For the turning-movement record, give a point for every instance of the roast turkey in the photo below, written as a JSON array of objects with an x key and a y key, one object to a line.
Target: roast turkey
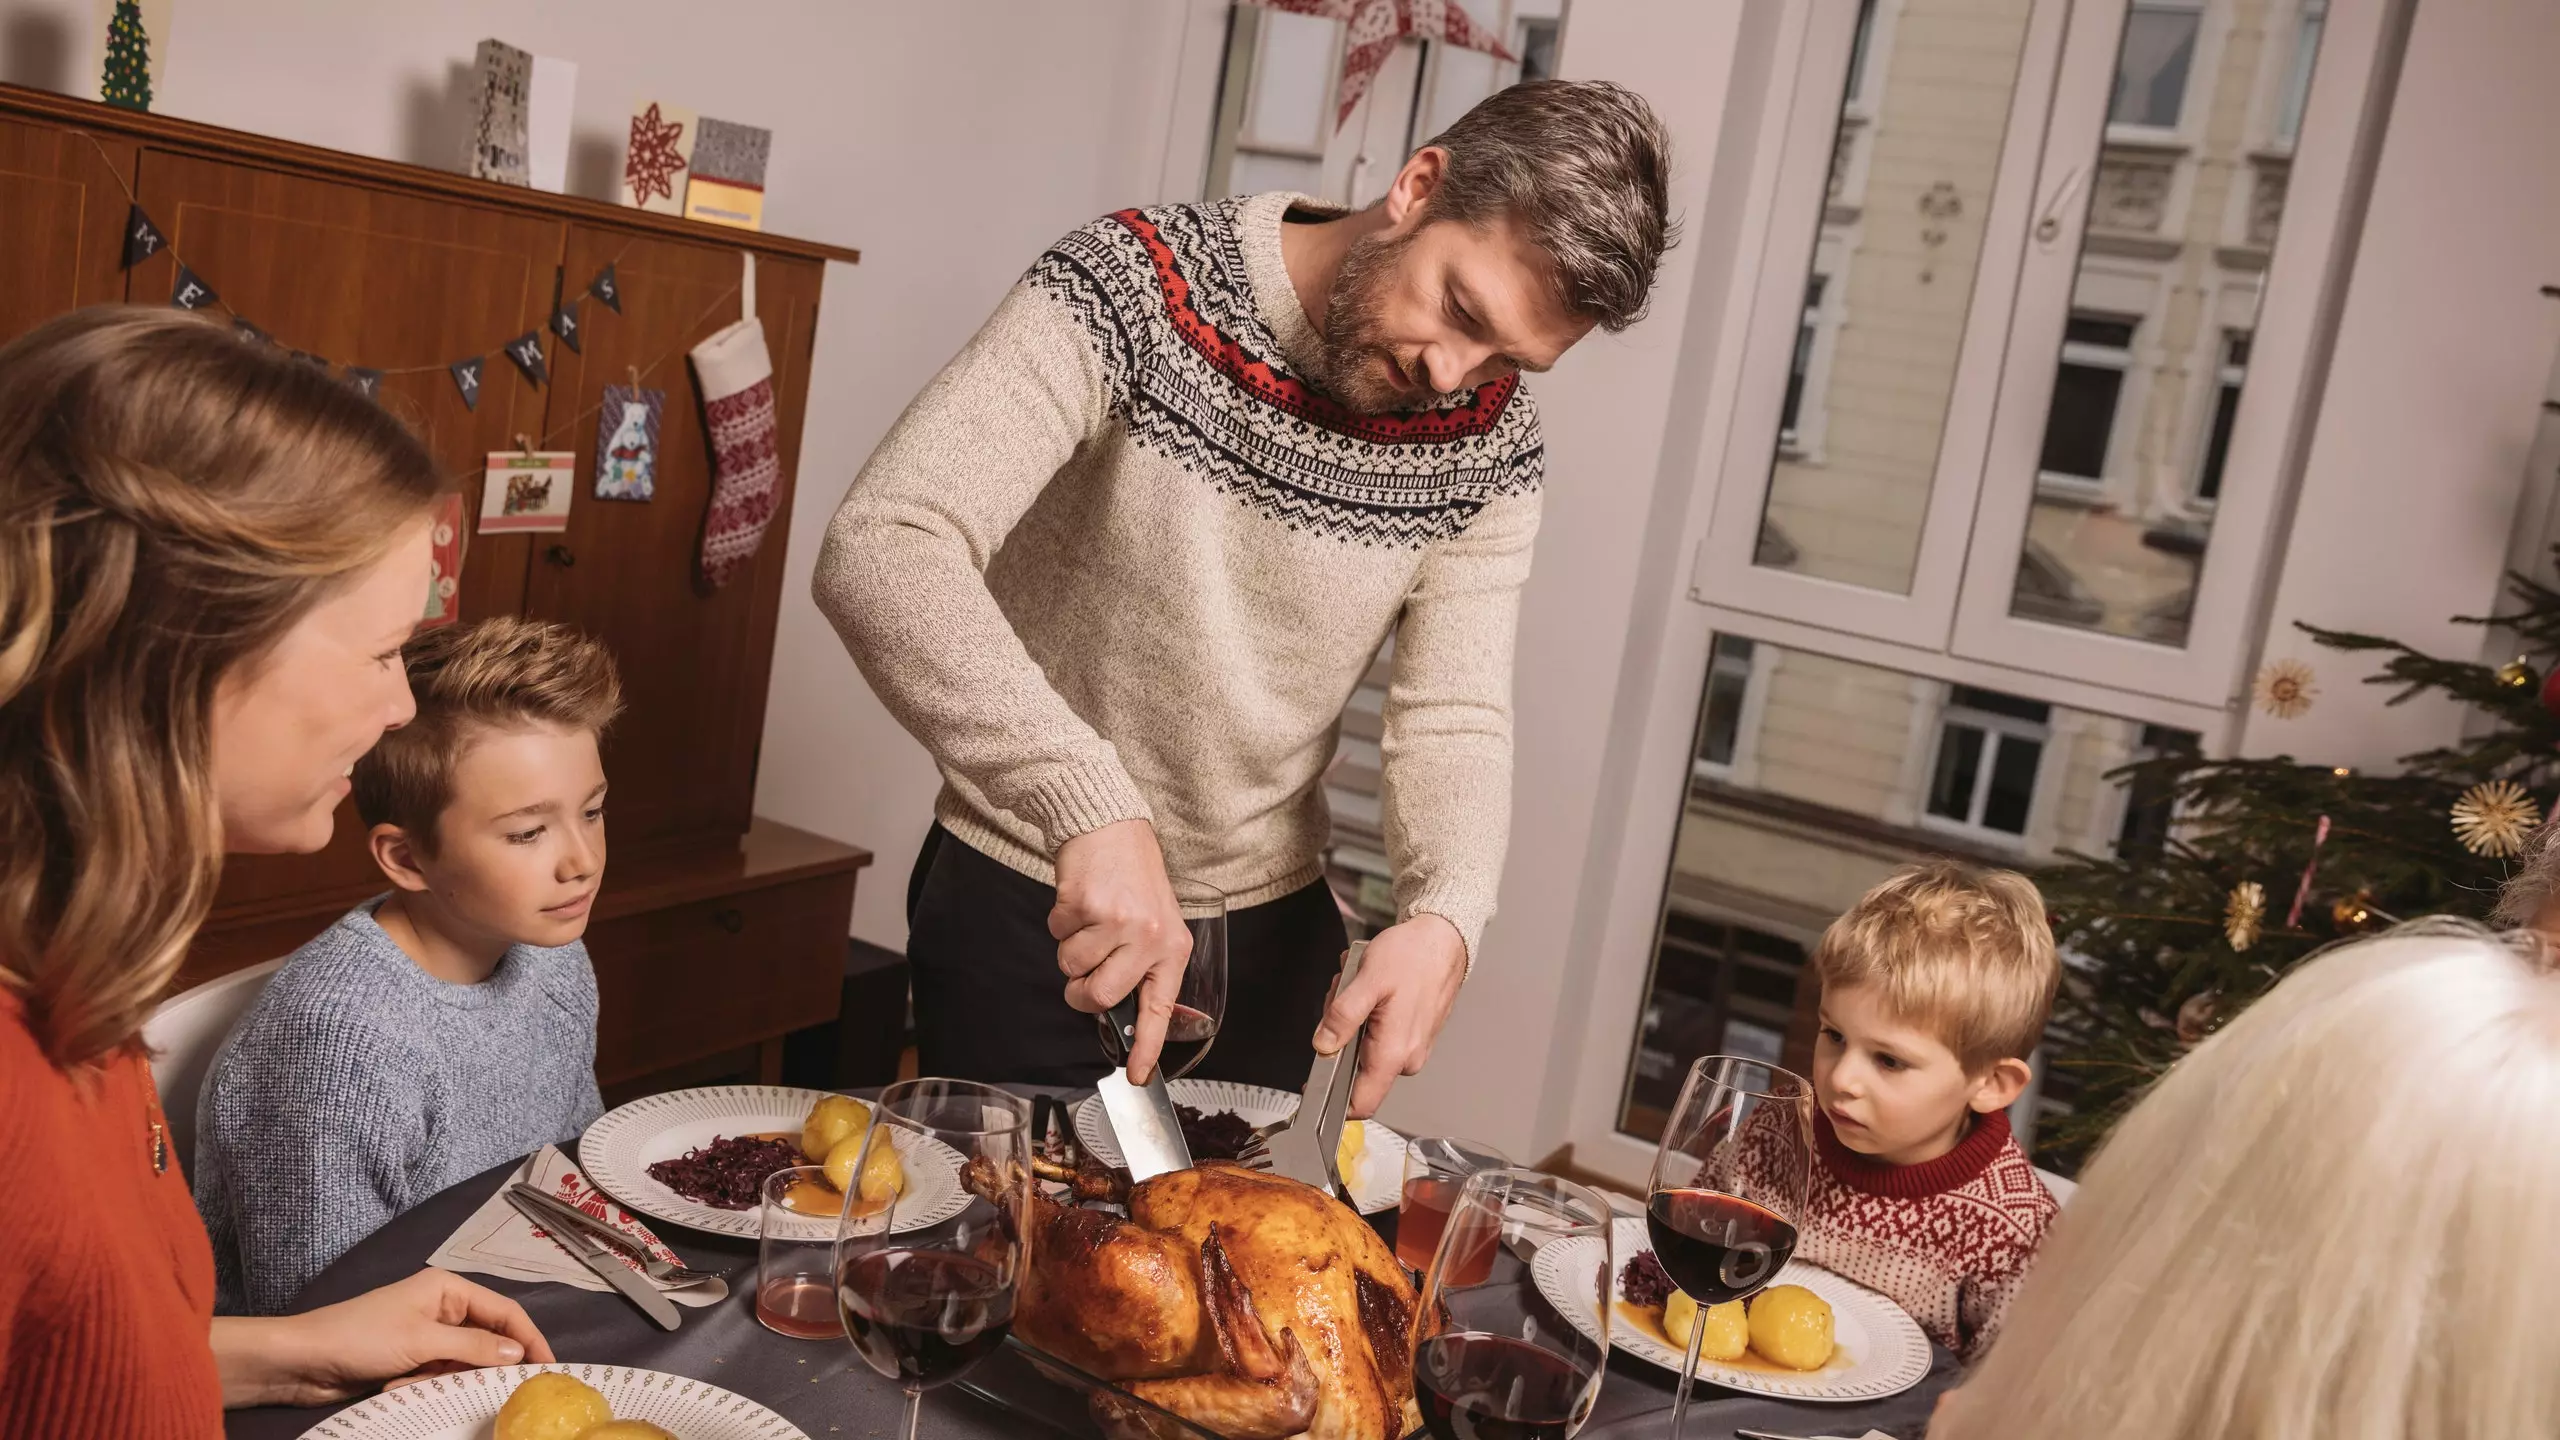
[{"x": 1257, "y": 1307}]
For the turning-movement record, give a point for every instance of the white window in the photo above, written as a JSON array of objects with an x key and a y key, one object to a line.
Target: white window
[
  {"x": 2297, "y": 74},
  {"x": 1721, "y": 720},
  {"x": 1983, "y": 780},
  {"x": 1800, "y": 364},
  {"x": 2088, "y": 390},
  {"x": 2153, "y": 64},
  {"x": 2226, "y": 409}
]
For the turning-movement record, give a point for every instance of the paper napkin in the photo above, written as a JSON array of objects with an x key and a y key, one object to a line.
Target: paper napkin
[{"x": 498, "y": 1240}]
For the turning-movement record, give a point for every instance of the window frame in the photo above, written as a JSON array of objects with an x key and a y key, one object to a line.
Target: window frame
[
  {"x": 1744, "y": 768},
  {"x": 1998, "y": 731},
  {"x": 2203, "y": 57},
  {"x": 2093, "y": 489}
]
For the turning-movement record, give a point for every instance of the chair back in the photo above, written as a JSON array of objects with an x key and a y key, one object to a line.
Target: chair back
[
  {"x": 184, "y": 1035},
  {"x": 2060, "y": 1186}
]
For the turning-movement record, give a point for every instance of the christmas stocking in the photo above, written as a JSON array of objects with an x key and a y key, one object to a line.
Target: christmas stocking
[{"x": 736, "y": 375}]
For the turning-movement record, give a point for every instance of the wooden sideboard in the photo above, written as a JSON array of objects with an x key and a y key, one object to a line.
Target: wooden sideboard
[{"x": 717, "y": 932}]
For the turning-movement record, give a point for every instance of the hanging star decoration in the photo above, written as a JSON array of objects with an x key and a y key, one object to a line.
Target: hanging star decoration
[
  {"x": 2494, "y": 818},
  {"x": 1376, "y": 26},
  {"x": 653, "y": 161},
  {"x": 2284, "y": 689},
  {"x": 2244, "y": 913}
]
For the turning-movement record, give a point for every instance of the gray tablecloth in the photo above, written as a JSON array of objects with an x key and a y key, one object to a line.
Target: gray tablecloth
[{"x": 824, "y": 1389}]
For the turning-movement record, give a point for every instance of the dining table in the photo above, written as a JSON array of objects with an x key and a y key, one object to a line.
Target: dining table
[{"x": 825, "y": 1389}]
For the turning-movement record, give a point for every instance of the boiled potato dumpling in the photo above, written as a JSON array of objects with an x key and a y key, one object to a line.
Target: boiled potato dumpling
[
  {"x": 627, "y": 1430},
  {"x": 1355, "y": 1143},
  {"x": 882, "y": 1175},
  {"x": 1728, "y": 1332},
  {"x": 830, "y": 1120},
  {"x": 551, "y": 1406},
  {"x": 1791, "y": 1326}
]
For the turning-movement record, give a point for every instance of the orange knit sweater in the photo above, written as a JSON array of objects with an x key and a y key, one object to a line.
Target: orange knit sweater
[{"x": 106, "y": 1279}]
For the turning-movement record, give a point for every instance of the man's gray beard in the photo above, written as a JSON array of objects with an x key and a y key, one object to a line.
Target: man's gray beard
[{"x": 1351, "y": 327}]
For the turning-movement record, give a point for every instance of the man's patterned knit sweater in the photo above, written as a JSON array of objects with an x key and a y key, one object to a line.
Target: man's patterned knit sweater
[{"x": 1122, "y": 560}]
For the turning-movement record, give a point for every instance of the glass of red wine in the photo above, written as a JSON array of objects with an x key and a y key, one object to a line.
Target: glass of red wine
[
  {"x": 1490, "y": 1360},
  {"x": 1201, "y": 1007},
  {"x": 923, "y": 1302},
  {"x": 1728, "y": 1187}
]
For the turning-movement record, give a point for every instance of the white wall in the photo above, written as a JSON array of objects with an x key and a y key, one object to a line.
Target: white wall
[
  {"x": 2444, "y": 351},
  {"x": 949, "y": 141}
]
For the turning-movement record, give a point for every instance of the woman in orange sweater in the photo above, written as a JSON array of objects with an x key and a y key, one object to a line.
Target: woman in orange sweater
[{"x": 209, "y": 556}]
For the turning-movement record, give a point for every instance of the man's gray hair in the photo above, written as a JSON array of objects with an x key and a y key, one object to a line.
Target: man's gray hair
[
  {"x": 1584, "y": 169},
  {"x": 2537, "y": 876}
]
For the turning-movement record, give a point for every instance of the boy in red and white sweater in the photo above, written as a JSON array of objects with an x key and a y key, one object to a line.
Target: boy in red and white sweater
[{"x": 1935, "y": 987}]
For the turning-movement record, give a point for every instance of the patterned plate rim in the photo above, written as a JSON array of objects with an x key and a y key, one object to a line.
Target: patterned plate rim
[
  {"x": 1378, "y": 1193},
  {"x": 1899, "y": 1366},
  {"x": 372, "y": 1416},
  {"x": 635, "y": 1191}
]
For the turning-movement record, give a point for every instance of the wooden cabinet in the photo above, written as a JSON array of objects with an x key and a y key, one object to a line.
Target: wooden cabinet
[{"x": 715, "y": 931}]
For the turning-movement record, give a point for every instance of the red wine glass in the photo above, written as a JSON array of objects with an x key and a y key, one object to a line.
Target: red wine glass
[
  {"x": 1728, "y": 1187},
  {"x": 1490, "y": 1360},
  {"x": 924, "y": 1299},
  {"x": 1201, "y": 1005}
]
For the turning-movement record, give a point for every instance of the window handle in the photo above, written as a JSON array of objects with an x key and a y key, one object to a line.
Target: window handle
[{"x": 2049, "y": 224}]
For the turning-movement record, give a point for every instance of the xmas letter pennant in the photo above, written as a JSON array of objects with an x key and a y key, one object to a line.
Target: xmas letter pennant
[
  {"x": 564, "y": 323},
  {"x": 142, "y": 239},
  {"x": 604, "y": 288},
  {"x": 526, "y": 351},
  {"x": 248, "y": 334},
  {"x": 367, "y": 383},
  {"x": 466, "y": 378}
]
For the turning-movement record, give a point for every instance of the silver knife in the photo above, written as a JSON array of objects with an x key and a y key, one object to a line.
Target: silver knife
[
  {"x": 603, "y": 1262},
  {"x": 1309, "y": 1149},
  {"x": 1141, "y": 1116}
]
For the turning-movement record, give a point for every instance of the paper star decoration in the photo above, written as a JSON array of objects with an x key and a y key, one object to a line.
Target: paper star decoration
[
  {"x": 1376, "y": 26},
  {"x": 651, "y": 166}
]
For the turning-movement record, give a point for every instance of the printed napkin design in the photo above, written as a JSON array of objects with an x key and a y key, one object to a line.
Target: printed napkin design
[{"x": 499, "y": 1240}]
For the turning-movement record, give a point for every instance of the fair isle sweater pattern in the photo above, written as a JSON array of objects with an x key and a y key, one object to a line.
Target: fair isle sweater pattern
[{"x": 1196, "y": 376}]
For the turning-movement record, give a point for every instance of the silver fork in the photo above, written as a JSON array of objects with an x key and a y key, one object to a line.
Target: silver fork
[
  {"x": 679, "y": 1277},
  {"x": 1256, "y": 1154}
]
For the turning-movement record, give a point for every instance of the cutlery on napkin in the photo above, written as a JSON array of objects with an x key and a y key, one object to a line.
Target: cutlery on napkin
[{"x": 497, "y": 1240}]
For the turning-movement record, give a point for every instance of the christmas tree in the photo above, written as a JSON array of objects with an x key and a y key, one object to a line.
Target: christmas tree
[
  {"x": 2267, "y": 860},
  {"x": 127, "y": 82}
]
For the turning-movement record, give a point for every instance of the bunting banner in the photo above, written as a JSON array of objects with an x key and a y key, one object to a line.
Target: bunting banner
[
  {"x": 526, "y": 351},
  {"x": 564, "y": 323},
  {"x": 142, "y": 239},
  {"x": 606, "y": 290},
  {"x": 367, "y": 383},
  {"x": 190, "y": 293},
  {"x": 466, "y": 378}
]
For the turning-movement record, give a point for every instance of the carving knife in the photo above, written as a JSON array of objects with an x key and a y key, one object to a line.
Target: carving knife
[
  {"x": 607, "y": 1266},
  {"x": 1141, "y": 1116},
  {"x": 1309, "y": 1149}
]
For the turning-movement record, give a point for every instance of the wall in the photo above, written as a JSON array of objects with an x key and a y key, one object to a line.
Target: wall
[
  {"x": 2418, "y": 460},
  {"x": 948, "y": 141}
]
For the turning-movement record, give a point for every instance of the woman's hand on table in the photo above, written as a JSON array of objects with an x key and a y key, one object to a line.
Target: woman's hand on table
[{"x": 432, "y": 1323}]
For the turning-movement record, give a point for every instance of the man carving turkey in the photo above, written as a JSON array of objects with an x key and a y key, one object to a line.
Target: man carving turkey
[{"x": 1122, "y": 564}]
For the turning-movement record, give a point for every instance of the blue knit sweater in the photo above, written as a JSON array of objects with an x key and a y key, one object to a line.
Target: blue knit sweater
[{"x": 358, "y": 1085}]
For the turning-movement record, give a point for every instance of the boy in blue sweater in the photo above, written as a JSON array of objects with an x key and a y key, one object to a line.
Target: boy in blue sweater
[{"x": 446, "y": 1026}]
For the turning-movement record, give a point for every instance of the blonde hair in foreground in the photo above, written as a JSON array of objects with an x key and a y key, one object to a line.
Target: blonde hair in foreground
[
  {"x": 1964, "y": 954},
  {"x": 2329, "y": 1222},
  {"x": 172, "y": 502}
]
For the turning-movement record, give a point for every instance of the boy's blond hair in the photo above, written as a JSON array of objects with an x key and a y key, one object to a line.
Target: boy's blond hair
[
  {"x": 1963, "y": 953},
  {"x": 498, "y": 673}
]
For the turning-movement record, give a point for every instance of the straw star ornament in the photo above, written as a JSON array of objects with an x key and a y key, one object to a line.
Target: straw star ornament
[
  {"x": 1377, "y": 26},
  {"x": 2494, "y": 818}
]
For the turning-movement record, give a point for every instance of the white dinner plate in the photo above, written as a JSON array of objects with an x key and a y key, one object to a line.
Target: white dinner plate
[
  {"x": 1881, "y": 1349},
  {"x": 617, "y": 1151},
  {"x": 1377, "y": 1181},
  {"x": 462, "y": 1405}
]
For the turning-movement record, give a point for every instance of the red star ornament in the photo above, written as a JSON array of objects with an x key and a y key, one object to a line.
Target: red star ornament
[
  {"x": 1375, "y": 27},
  {"x": 651, "y": 165}
]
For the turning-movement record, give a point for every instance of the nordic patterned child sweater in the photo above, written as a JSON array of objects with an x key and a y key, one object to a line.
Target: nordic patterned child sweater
[
  {"x": 1948, "y": 1240},
  {"x": 1121, "y": 559}
]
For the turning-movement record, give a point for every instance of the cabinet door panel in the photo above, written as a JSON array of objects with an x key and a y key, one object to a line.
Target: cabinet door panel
[
  {"x": 65, "y": 215},
  {"x": 694, "y": 663},
  {"x": 388, "y": 281}
]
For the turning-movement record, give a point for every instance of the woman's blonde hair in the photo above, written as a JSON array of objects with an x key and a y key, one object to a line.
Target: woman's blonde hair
[
  {"x": 2327, "y": 1223},
  {"x": 172, "y": 501}
]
